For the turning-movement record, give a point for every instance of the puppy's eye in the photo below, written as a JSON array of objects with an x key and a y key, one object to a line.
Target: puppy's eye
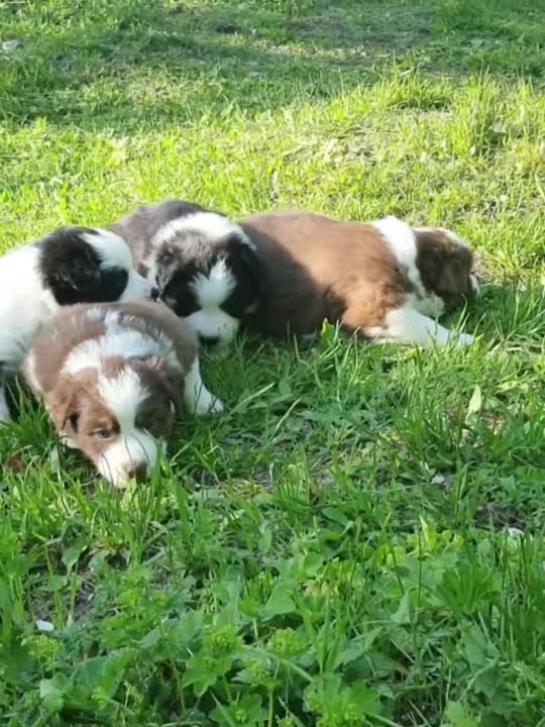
[{"x": 103, "y": 433}]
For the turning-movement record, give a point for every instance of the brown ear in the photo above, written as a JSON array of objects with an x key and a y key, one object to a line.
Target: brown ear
[
  {"x": 454, "y": 278},
  {"x": 172, "y": 378},
  {"x": 63, "y": 404}
]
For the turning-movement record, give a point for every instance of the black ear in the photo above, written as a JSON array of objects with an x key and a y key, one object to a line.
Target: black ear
[
  {"x": 70, "y": 267},
  {"x": 165, "y": 266},
  {"x": 243, "y": 257},
  {"x": 454, "y": 277}
]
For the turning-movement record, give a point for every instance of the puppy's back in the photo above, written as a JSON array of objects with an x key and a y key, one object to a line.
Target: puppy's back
[
  {"x": 71, "y": 327},
  {"x": 140, "y": 227},
  {"x": 311, "y": 265}
]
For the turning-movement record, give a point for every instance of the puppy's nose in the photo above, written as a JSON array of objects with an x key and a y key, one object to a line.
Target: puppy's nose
[
  {"x": 154, "y": 293},
  {"x": 209, "y": 340},
  {"x": 137, "y": 471}
]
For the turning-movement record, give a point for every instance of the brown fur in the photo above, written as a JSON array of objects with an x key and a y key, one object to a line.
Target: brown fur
[
  {"x": 315, "y": 268},
  {"x": 73, "y": 399}
]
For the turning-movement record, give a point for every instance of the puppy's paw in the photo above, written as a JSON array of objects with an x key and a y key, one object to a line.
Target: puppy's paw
[
  {"x": 67, "y": 441},
  {"x": 205, "y": 403},
  {"x": 465, "y": 339}
]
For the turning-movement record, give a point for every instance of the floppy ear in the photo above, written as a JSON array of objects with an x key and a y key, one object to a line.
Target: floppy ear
[
  {"x": 172, "y": 378},
  {"x": 81, "y": 275},
  {"x": 242, "y": 255},
  {"x": 165, "y": 266},
  {"x": 63, "y": 405},
  {"x": 452, "y": 278}
]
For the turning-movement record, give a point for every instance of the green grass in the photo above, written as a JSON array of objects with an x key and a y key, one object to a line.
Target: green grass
[{"x": 338, "y": 548}]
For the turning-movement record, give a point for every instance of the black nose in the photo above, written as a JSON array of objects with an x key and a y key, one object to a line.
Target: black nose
[
  {"x": 154, "y": 293},
  {"x": 209, "y": 340},
  {"x": 137, "y": 472}
]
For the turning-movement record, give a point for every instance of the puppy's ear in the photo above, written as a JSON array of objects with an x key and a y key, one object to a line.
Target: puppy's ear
[
  {"x": 165, "y": 266},
  {"x": 64, "y": 404},
  {"x": 453, "y": 278},
  {"x": 243, "y": 256},
  {"x": 171, "y": 377}
]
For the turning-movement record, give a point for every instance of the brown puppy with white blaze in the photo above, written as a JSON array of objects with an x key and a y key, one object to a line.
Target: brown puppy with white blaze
[
  {"x": 385, "y": 280},
  {"x": 112, "y": 376}
]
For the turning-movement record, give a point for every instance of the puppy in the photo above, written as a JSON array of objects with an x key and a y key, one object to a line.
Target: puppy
[
  {"x": 385, "y": 280},
  {"x": 204, "y": 265},
  {"x": 73, "y": 265},
  {"x": 112, "y": 376},
  {"x": 285, "y": 273}
]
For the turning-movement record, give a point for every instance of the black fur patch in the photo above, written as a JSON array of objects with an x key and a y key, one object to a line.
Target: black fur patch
[
  {"x": 244, "y": 265},
  {"x": 179, "y": 264},
  {"x": 70, "y": 269}
]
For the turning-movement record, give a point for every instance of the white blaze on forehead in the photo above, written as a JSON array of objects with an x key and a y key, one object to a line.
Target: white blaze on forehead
[
  {"x": 214, "y": 288},
  {"x": 208, "y": 224},
  {"x": 122, "y": 395},
  {"x": 112, "y": 248},
  {"x": 402, "y": 241},
  {"x": 118, "y": 341}
]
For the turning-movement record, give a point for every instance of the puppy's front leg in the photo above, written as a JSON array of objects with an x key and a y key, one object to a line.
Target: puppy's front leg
[
  {"x": 407, "y": 326},
  {"x": 197, "y": 397},
  {"x": 5, "y": 415}
]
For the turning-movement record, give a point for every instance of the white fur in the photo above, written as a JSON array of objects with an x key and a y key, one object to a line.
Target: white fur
[
  {"x": 406, "y": 325},
  {"x": 402, "y": 241},
  {"x": 112, "y": 248},
  {"x": 411, "y": 323},
  {"x": 432, "y": 305},
  {"x": 197, "y": 397},
  {"x": 122, "y": 395},
  {"x": 132, "y": 449},
  {"x": 5, "y": 416},
  {"x": 208, "y": 224},
  {"x": 137, "y": 288},
  {"x": 126, "y": 344},
  {"x": 25, "y": 305},
  {"x": 30, "y": 374},
  {"x": 115, "y": 252},
  {"x": 475, "y": 284},
  {"x": 214, "y": 323},
  {"x": 119, "y": 340},
  {"x": 211, "y": 290}
]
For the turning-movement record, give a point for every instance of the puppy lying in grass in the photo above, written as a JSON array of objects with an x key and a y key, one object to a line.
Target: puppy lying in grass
[
  {"x": 112, "y": 377},
  {"x": 288, "y": 272},
  {"x": 70, "y": 265}
]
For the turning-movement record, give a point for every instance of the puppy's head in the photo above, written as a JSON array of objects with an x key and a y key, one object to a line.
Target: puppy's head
[
  {"x": 446, "y": 265},
  {"x": 207, "y": 271},
  {"x": 118, "y": 414},
  {"x": 81, "y": 265}
]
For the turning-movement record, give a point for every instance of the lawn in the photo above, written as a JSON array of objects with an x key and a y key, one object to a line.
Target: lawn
[{"x": 359, "y": 539}]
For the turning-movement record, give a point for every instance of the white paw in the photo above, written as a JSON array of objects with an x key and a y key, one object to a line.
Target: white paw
[
  {"x": 67, "y": 441},
  {"x": 465, "y": 339},
  {"x": 205, "y": 403}
]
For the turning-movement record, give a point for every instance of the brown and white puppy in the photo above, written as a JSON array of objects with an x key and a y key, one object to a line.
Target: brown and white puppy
[
  {"x": 112, "y": 377},
  {"x": 385, "y": 280}
]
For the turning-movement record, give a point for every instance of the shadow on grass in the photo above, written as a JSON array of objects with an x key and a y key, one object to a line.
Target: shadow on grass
[{"x": 132, "y": 65}]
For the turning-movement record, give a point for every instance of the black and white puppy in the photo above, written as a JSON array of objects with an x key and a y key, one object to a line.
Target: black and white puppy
[
  {"x": 71, "y": 265},
  {"x": 203, "y": 264}
]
